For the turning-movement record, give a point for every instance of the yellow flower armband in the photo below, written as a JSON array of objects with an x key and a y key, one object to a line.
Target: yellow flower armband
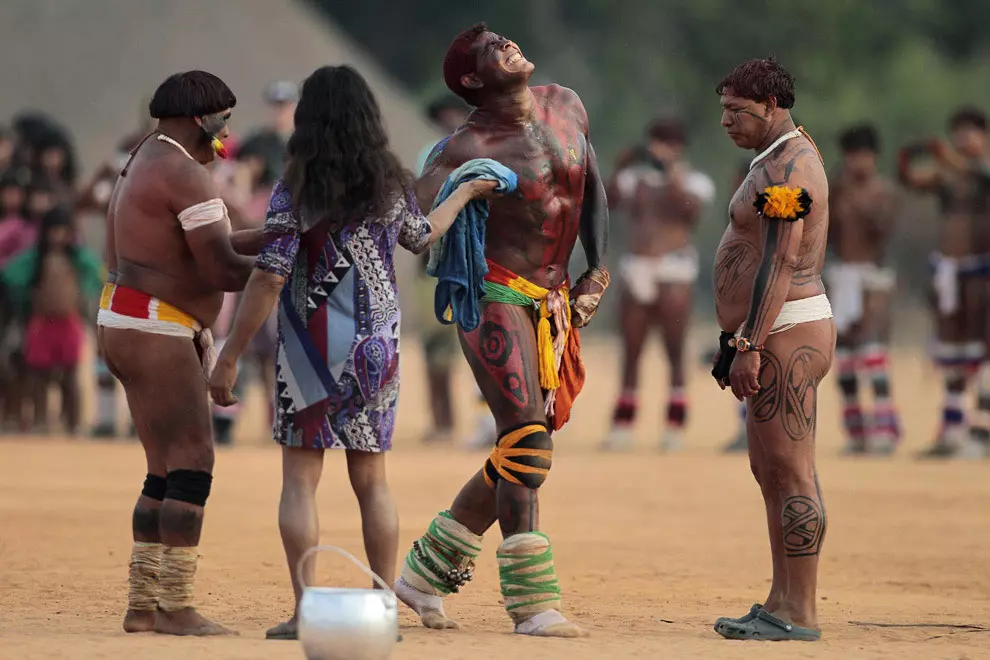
[{"x": 783, "y": 203}]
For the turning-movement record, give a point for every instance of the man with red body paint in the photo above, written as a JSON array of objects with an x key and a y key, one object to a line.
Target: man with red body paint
[{"x": 540, "y": 133}]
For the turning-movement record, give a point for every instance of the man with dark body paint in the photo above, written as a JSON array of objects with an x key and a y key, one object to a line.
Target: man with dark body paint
[
  {"x": 862, "y": 209},
  {"x": 961, "y": 180},
  {"x": 778, "y": 336},
  {"x": 664, "y": 197},
  {"x": 170, "y": 257},
  {"x": 738, "y": 443},
  {"x": 541, "y": 133}
]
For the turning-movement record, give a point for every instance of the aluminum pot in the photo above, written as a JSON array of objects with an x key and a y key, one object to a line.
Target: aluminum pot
[{"x": 346, "y": 624}]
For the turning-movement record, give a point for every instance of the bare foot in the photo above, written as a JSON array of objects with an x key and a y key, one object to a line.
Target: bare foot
[
  {"x": 138, "y": 621},
  {"x": 188, "y": 621},
  {"x": 550, "y": 624},
  {"x": 285, "y": 630},
  {"x": 427, "y": 606}
]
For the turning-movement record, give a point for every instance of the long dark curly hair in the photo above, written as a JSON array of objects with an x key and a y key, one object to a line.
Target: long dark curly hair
[{"x": 340, "y": 167}]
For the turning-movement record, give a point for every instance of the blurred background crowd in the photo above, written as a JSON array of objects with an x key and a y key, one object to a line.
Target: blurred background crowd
[{"x": 70, "y": 116}]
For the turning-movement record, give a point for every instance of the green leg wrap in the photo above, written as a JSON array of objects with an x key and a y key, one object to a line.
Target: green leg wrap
[
  {"x": 529, "y": 580},
  {"x": 442, "y": 560}
]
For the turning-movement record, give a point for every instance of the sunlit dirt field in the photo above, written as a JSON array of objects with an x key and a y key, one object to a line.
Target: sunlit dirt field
[{"x": 650, "y": 548}]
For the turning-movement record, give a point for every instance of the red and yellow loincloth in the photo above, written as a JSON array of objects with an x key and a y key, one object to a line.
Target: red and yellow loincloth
[
  {"x": 125, "y": 308},
  {"x": 130, "y": 309},
  {"x": 561, "y": 370}
]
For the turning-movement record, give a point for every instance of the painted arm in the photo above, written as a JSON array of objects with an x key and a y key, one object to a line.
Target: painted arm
[
  {"x": 593, "y": 230},
  {"x": 833, "y": 236},
  {"x": 593, "y": 227},
  {"x": 781, "y": 242}
]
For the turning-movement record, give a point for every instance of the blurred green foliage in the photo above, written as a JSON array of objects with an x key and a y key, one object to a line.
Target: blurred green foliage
[{"x": 902, "y": 64}]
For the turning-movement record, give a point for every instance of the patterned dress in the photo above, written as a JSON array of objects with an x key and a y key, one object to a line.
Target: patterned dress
[{"x": 337, "y": 367}]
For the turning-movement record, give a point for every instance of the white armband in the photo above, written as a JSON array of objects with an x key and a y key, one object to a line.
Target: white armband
[{"x": 204, "y": 213}]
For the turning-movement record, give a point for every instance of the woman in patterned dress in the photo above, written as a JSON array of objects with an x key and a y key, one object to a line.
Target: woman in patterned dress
[{"x": 331, "y": 231}]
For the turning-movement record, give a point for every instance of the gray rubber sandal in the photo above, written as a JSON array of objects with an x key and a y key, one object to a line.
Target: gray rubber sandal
[
  {"x": 766, "y": 627},
  {"x": 745, "y": 618}
]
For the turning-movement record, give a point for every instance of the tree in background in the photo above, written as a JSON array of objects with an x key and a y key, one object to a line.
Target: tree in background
[{"x": 903, "y": 64}]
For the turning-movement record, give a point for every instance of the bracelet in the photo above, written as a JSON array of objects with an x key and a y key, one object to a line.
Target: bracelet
[
  {"x": 743, "y": 345},
  {"x": 599, "y": 276}
]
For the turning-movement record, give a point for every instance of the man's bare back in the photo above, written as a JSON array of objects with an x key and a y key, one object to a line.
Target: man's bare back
[
  {"x": 794, "y": 163},
  {"x": 532, "y": 232},
  {"x": 861, "y": 218},
  {"x": 146, "y": 246}
]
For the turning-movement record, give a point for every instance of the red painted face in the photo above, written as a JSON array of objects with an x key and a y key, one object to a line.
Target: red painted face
[{"x": 501, "y": 62}]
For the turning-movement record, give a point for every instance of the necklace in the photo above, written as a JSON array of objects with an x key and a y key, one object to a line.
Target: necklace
[
  {"x": 164, "y": 138},
  {"x": 769, "y": 150}
]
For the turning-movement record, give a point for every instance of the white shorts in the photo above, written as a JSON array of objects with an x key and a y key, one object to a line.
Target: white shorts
[{"x": 643, "y": 275}]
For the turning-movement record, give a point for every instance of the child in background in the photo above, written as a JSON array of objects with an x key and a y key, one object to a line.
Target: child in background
[
  {"x": 40, "y": 200},
  {"x": 58, "y": 282},
  {"x": 16, "y": 233}
]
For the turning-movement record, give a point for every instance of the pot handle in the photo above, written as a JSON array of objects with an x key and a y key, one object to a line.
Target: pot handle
[{"x": 340, "y": 551}]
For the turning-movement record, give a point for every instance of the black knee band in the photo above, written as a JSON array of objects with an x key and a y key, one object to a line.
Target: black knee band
[
  {"x": 189, "y": 486},
  {"x": 848, "y": 384},
  {"x": 521, "y": 456},
  {"x": 154, "y": 487}
]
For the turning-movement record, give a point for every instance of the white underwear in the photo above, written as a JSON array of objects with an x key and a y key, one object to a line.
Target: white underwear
[
  {"x": 795, "y": 312},
  {"x": 642, "y": 275},
  {"x": 111, "y": 319},
  {"x": 848, "y": 281},
  {"x": 948, "y": 270}
]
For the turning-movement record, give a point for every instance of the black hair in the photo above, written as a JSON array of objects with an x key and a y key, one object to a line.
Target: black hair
[
  {"x": 760, "y": 80},
  {"x": 340, "y": 167},
  {"x": 10, "y": 179},
  {"x": 861, "y": 137},
  {"x": 60, "y": 216},
  {"x": 667, "y": 129},
  {"x": 461, "y": 59},
  {"x": 968, "y": 116},
  {"x": 38, "y": 132},
  {"x": 56, "y": 139},
  {"x": 191, "y": 94}
]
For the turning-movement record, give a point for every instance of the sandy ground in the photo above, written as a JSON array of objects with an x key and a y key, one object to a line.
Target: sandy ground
[{"x": 650, "y": 548}]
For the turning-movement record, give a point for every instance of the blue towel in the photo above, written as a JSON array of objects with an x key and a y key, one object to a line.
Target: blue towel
[{"x": 458, "y": 259}]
